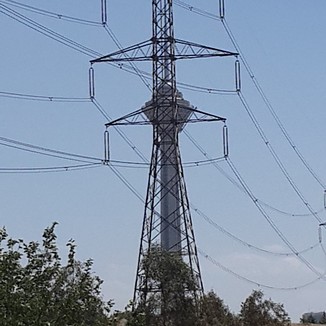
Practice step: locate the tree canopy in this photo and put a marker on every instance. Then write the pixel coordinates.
(170, 299)
(36, 288)
(39, 288)
(255, 311)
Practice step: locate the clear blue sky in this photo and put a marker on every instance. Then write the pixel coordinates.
(283, 42)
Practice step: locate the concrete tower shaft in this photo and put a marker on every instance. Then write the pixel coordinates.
(166, 117)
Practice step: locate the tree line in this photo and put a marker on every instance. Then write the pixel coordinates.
(40, 288)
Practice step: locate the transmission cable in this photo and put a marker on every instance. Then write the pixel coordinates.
(245, 187)
(67, 41)
(50, 13)
(94, 54)
(243, 278)
(46, 31)
(269, 105)
(44, 149)
(260, 91)
(270, 221)
(134, 66)
(196, 10)
(237, 185)
(52, 169)
(209, 258)
(267, 217)
(275, 156)
(271, 110)
(235, 238)
(38, 27)
(31, 97)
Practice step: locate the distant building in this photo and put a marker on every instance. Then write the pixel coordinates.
(314, 317)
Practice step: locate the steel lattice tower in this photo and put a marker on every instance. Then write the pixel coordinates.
(167, 222)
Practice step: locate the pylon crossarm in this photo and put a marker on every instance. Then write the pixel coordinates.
(138, 117)
(134, 118)
(201, 116)
(139, 52)
(143, 51)
(189, 50)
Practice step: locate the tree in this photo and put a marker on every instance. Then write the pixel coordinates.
(170, 281)
(214, 312)
(255, 311)
(36, 289)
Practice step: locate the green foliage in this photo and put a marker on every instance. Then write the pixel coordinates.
(37, 289)
(215, 313)
(255, 311)
(171, 289)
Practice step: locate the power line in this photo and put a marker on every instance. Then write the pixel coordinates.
(46, 31)
(199, 212)
(270, 221)
(52, 169)
(212, 260)
(50, 13)
(196, 10)
(276, 118)
(245, 243)
(245, 279)
(269, 105)
(31, 97)
(275, 156)
(237, 185)
(122, 134)
(259, 88)
(46, 151)
(134, 66)
(92, 53)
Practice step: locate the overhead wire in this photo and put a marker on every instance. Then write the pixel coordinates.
(271, 222)
(275, 116)
(196, 10)
(261, 92)
(30, 23)
(51, 14)
(62, 40)
(196, 210)
(245, 243)
(61, 154)
(250, 194)
(237, 185)
(31, 97)
(118, 44)
(276, 157)
(52, 169)
(101, 110)
(34, 151)
(270, 106)
(214, 261)
(262, 285)
(93, 54)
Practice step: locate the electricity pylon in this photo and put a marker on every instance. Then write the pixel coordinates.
(167, 222)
